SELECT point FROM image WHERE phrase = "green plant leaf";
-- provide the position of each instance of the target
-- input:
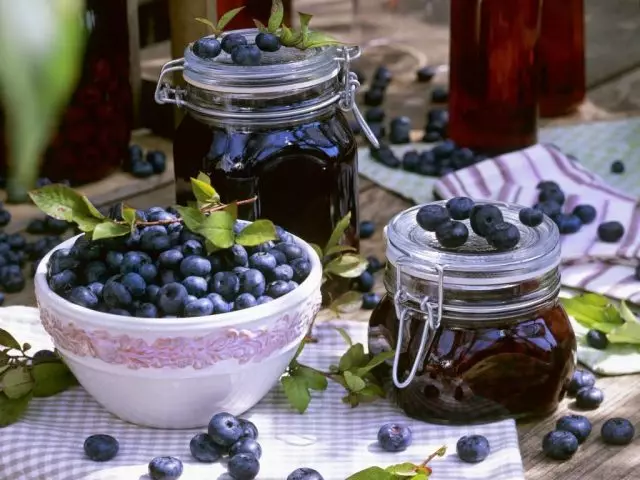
(629, 332)
(95, 213)
(346, 337)
(204, 192)
(61, 202)
(354, 382)
(4, 368)
(232, 209)
(372, 473)
(192, 217)
(295, 388)
(256, 233)
(17, 382)
(402, 469)
(129, 215)
(318, 250)
(338, 232)
(318, 39)
(594, 299)
(347, 266)
(340, 249)
(289, 37)
(305, 19)
(315, 380)
(276, 17)
(347, 302)
(51, 378)
(626, 313)
(109, 230)
(7, 340)
(604, 318)
(227, 17)
(218, 229)
(420, 476)
(354, 357)
(375, 361)
(260, 26)
(372, 390)
(203, 177)
(11, 409)
(207, 22)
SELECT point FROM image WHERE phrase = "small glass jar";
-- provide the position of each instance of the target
(479, 335)
(275, 131)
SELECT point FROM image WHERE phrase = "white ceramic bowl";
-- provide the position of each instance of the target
(178, 372)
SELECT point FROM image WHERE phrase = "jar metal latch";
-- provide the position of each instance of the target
(166, 94)
(403, 302)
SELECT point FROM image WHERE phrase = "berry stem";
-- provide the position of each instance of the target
(438, 453)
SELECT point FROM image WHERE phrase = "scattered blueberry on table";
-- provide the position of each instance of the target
(165, 468)
(204, 449)
(589, 398)
(367, 229)
(560, 445)
(617, 431)
(364, 283)
(610, 232)
(531, 217)
(579, 380)
(579, 425)
(586, 213)
(597, 339)
(305, 474)
(439, 94)
(394, 437)
(617, 167)
(473, 448)
(101, 447)
(374, 264)
(141, 166)
(370, 301)
(426, 74)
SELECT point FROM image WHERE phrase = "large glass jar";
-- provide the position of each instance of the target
(561, 58)
(479, 335)
(493, 95)
(276, 131)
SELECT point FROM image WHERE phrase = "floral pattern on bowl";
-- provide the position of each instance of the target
(181, 352)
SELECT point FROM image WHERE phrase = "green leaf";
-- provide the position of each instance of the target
(203, 177)
(17, 382)
(11, 409)
(375, 361)
(372, 473)
(305, 19)
(260, 26)
(338, 232)
(129, 215)
(627, 333)
(289, 37)
(7, 340)
(318, 250)
(209, 24)
(95, 213)
(343, 333)
(109, 230)
(353, 358)
(626, 313)
(347, 302)
(256, 233)
(318, 39)
(61, 202)
(227, 17)
(347, 266)
(218, 229)
(340, 249)
(204, 192)
(232, 209)
(603, 318)
(51, 378)
(315, 380)
(403, 469)
(354, 382)
(4, 368)
(594, 299)
(372, 390)
(295, 388)
(277, 15)
(192, 217)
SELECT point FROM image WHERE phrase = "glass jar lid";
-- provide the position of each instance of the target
(476, 265)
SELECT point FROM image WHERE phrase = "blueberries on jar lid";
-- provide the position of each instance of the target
(460, 207)
(531, 217)
(207, 48)
(246, 55)
(429, 217)
(452, 234)
(503, 236)
(267, 42)
(483, 218)
(232, 40)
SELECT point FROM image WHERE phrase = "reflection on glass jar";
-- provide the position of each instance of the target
(499, 346)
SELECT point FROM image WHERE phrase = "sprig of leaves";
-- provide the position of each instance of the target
(353, 373)
(207, 216)
(400, 471)
(597, 312)
(218, 28)
(22, 377)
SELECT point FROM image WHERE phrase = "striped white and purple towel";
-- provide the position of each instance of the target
(588, 264)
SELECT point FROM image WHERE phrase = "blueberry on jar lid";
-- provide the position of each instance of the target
(429, 217)
(207, 48)
(460, 207)
(531, 217)
(503, 236)
(452, 234)
(483, 218)
(232, 40)
(267, 42)
(246, 55)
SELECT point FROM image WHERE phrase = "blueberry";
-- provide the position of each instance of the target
(155, 242)
(305, 473)
(462, 158)
(246, 55)
(547, 185)
(394, 437)
(55, 226)
(432, 137)
(473, 448)
(246, 445)
(85, 250)
(240, 270)
(276, 289)
(2, 298)
(551, 194)
(617, 167)
(267, 42)
(400, 131)
(148, 272)
(460, 207)
(192, 247)
(637, 272)
(425, 74)
(146, 310)
(96, 271)
(531, 217)
(375, 115)
(386, 156)
(379, 131)
(263, 261)
(439, 94)
(263, 247)
(452, 234)
(483, 218)
(364, 283)
(589, 398)
(373, 264)
(116, 295)
(226, 284)
(207, 47)
(283, 235)
(367, 229)
(196, 286)
(559, 445)
(579, 425)
(282, 272)
(36, 227)
(132, 261)
(157, 215)
(151, 295)
(301, 269)
(236, 256)
(586, 213)
(83, 296)
(96, 288)
(550, 208)
(232, 40)
(503, 236)
(567, 224)
(383, 75)
(617, 431)
(101, 448)
(252, 281)
(45, 356)
(370, 301)
(165, 468)
(410, 161)
(199, 308)
(195, 265)
(171, 297)
(243, 466)
(244, 301)
(220, 305)
(169, 276)
(249, 429)
(597, 339)
(114, 260)
(135, 284)
(374, 97)
(60, 260)
(225, 429)
(263, 299)
(429, 217)
(141, 169)
(579, 380)
(135, 152)
(610, 232)
(170, 259)
(63, 282)
(189, 299)
(158, 160)
(204, 449)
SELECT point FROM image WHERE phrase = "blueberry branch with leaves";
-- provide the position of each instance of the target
(401, 471)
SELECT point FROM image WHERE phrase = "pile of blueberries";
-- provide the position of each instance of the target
(573, 430)
(143, 166)
(236, 45)
(163, 271)
(366, 281)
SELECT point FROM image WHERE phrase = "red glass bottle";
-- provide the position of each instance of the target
(258, 9)
(561, 57)
(493, 95)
